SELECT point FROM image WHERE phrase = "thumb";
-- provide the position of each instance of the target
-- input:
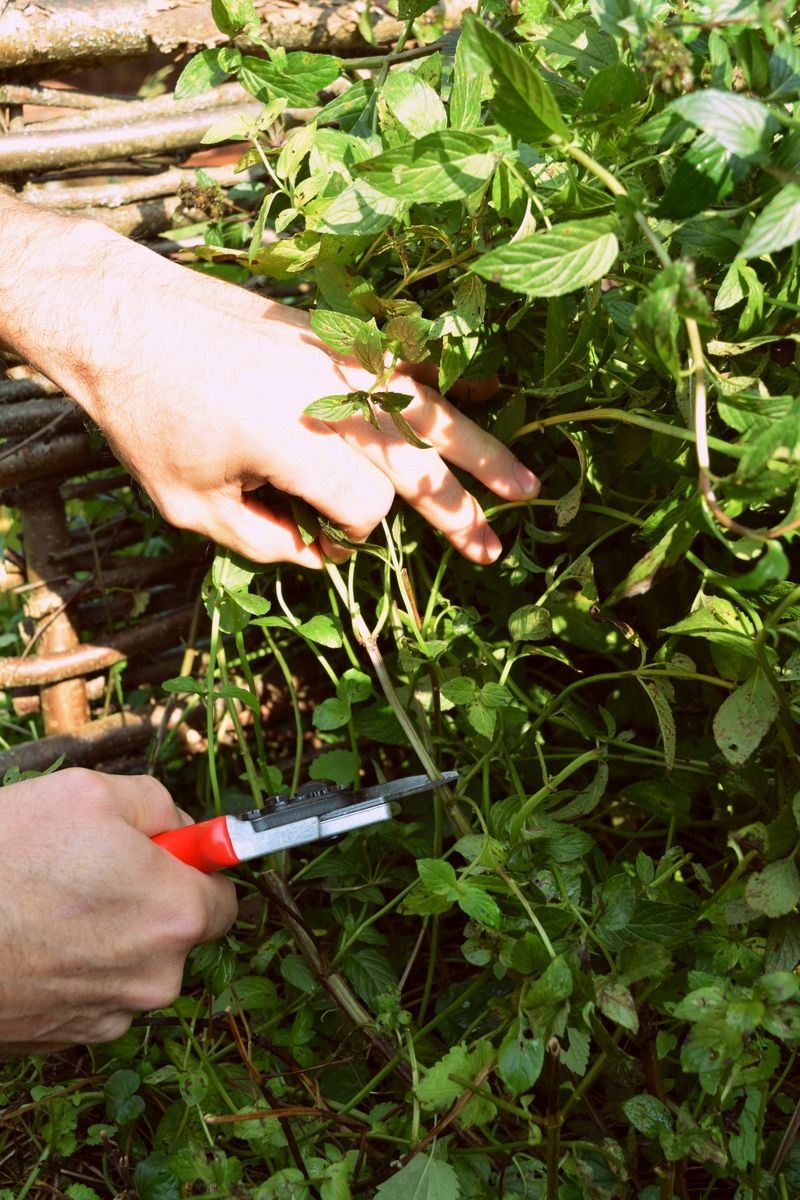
(144, 803)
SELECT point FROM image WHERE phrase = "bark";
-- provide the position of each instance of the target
(93, 742)
(86, 659)
(79, 33)
(52, 150)
(59, 455)
(18, 420)
(44, 532)
(106, 194)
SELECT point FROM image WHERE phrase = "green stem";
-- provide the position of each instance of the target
(626, 418)
(213, 651)
(552, 785)
(298, 717)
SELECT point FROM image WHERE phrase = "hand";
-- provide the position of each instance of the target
(200, 387)
(95, 920)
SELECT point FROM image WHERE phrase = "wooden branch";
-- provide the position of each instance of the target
(76, 33)
(95, 741)
(104, 194)
(54, 148)
(87, 658)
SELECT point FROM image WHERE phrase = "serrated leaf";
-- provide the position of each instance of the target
(478, 904)
(368, 347)
(423, 1178)
(523, 102)
(777, 225)
(299, 76)
(520, 1061)
(530, 624)
(232, 16)
(616, 1002)
(554, 261)
(447, 165)
(337, 330)
(744, 718)
(437, 876)
(744, 126)
(331, 714)
(482, 718)
(647, 1114)
(360, 209)
(339, 765)
(414, 103)
(775, 890)
(660, 694)
(202, 72)
(333, 408)
(460, 690)
(323, 630)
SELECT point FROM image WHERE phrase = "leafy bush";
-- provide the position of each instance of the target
(577, 977)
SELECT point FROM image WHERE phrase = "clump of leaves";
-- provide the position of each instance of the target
(576, 978)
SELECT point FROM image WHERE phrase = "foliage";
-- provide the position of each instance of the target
(577, 977)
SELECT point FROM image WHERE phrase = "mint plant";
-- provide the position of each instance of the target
(577, 976)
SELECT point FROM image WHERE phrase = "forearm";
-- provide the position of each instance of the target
(52, 271)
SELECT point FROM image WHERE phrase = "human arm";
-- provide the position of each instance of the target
(95, 920)
(200, 387)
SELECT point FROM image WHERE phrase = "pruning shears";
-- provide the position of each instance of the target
(317, 810)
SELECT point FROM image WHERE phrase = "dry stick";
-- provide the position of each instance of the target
(337, 987)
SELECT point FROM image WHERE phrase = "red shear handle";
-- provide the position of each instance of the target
(206, 846)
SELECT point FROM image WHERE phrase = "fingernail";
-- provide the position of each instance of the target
(492, 544)
(529, 483)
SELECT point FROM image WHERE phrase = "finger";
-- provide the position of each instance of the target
(332, 476)
(221, 906)
(424, 480)
(143, 802)
(250, 528)
(466, 445)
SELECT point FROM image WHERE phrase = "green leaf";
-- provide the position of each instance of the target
(360, 209)
(334, 408)
(438, 1089)
(460, 690)
(437, 876)
(202, 72)
(339, 765)
(123, 1102)
(414, 103)
(336, 329)
(423, 1178)
(368, 347)
(523, 103)
(441, 166)
(647, 1114)
(298, 76)
(332, 713)
(704, 177)
(478, 904)
(482, 718)
(744, 718)
(520, 1061)
(153, 1180)
(661, 696)
(233, 16)
(354, 686)
(323, 630)
(530, 624)
(616, 1002)
(777, 225)
(742, 125)
(775, 890)
(554, 261)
